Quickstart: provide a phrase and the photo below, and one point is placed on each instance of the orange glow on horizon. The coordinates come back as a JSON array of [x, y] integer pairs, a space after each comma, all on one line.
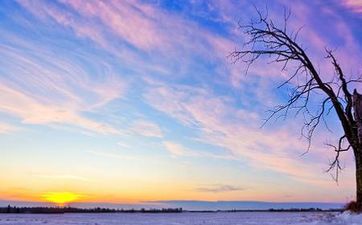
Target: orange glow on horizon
[[60, 198]]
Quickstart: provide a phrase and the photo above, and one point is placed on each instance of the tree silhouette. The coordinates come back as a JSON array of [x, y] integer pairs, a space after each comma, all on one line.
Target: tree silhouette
[[281, 45]]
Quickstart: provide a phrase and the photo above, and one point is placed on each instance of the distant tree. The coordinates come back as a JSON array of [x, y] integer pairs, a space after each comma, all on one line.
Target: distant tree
[[268, 39]]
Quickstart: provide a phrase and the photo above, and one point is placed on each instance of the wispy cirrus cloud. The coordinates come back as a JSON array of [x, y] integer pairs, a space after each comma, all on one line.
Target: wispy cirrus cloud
[[124, 20], [45, 10], [136, 24], [118, 27], [31, 111], [53, 90], [146, 128], [354, 5], [60, 177], [6, 128], [179, 150], [217, 188], [111, 155], [175, 149], [230, 128]]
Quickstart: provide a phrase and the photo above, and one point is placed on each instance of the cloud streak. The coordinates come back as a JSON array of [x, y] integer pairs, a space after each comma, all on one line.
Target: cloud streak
[[219, 188], [61, 177], [232, 129], [146, 128], [354, 5], [7, 128], [53, 90], [111, 155], [178, 150]]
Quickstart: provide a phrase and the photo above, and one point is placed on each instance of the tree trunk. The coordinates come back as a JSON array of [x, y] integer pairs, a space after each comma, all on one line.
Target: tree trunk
[[359, 181], [357, 108]]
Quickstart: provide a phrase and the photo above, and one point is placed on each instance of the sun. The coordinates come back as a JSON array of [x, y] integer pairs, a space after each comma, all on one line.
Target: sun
[[60, 198]]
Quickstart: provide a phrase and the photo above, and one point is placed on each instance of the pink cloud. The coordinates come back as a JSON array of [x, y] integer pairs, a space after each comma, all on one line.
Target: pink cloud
[[55, 90], [113, 155], [44, 10], [178, 150], [169, 36], [316, 38], [129, 21], [151, 29], [237, 131], [146, 128], [354, 5], [175, 149], [31, 111], [6, 128]]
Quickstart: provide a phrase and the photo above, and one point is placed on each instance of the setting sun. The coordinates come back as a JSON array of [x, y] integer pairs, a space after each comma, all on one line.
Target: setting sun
[[60, 198]]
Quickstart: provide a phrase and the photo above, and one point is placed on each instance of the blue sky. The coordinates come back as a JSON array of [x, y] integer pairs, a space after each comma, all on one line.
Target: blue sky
[[129, 101]]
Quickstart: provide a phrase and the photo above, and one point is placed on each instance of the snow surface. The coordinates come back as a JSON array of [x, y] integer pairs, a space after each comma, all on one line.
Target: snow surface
[[242, 218]]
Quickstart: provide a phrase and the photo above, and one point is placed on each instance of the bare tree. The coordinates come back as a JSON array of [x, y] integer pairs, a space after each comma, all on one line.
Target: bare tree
[[281, 46]]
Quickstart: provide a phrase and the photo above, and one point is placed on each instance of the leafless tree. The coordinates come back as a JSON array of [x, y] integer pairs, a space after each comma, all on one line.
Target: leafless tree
[[265, 38]]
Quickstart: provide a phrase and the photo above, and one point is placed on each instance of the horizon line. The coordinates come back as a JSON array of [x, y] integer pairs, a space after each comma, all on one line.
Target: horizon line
[[192, 205]]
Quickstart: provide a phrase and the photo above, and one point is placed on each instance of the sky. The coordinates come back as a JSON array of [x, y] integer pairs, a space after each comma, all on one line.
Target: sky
[[137, 101]]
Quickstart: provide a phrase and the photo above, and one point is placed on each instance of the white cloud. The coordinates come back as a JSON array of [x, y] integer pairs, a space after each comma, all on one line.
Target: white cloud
[[175, 149], [111, 155], [7, 128], [217, 188], [146, 128], [60, 177]]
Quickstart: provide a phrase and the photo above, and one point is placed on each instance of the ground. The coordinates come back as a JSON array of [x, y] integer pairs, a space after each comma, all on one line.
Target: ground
[[242, 218]]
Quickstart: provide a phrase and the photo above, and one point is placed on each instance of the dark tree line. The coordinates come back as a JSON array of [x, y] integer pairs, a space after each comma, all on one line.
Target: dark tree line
[[57, 210]]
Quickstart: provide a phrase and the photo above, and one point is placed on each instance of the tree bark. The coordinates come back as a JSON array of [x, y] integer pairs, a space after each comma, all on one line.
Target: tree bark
[[357, 108], [359, 181]]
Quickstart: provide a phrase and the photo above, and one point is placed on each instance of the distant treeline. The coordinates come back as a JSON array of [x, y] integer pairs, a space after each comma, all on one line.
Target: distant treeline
[[303, 210], [270, 210], [50, 210]]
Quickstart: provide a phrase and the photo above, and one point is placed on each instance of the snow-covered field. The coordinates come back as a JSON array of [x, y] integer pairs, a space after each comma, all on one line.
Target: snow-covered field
[[243, 218]]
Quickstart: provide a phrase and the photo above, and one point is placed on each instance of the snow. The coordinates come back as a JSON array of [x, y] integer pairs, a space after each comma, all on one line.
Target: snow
[[242, 218]]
